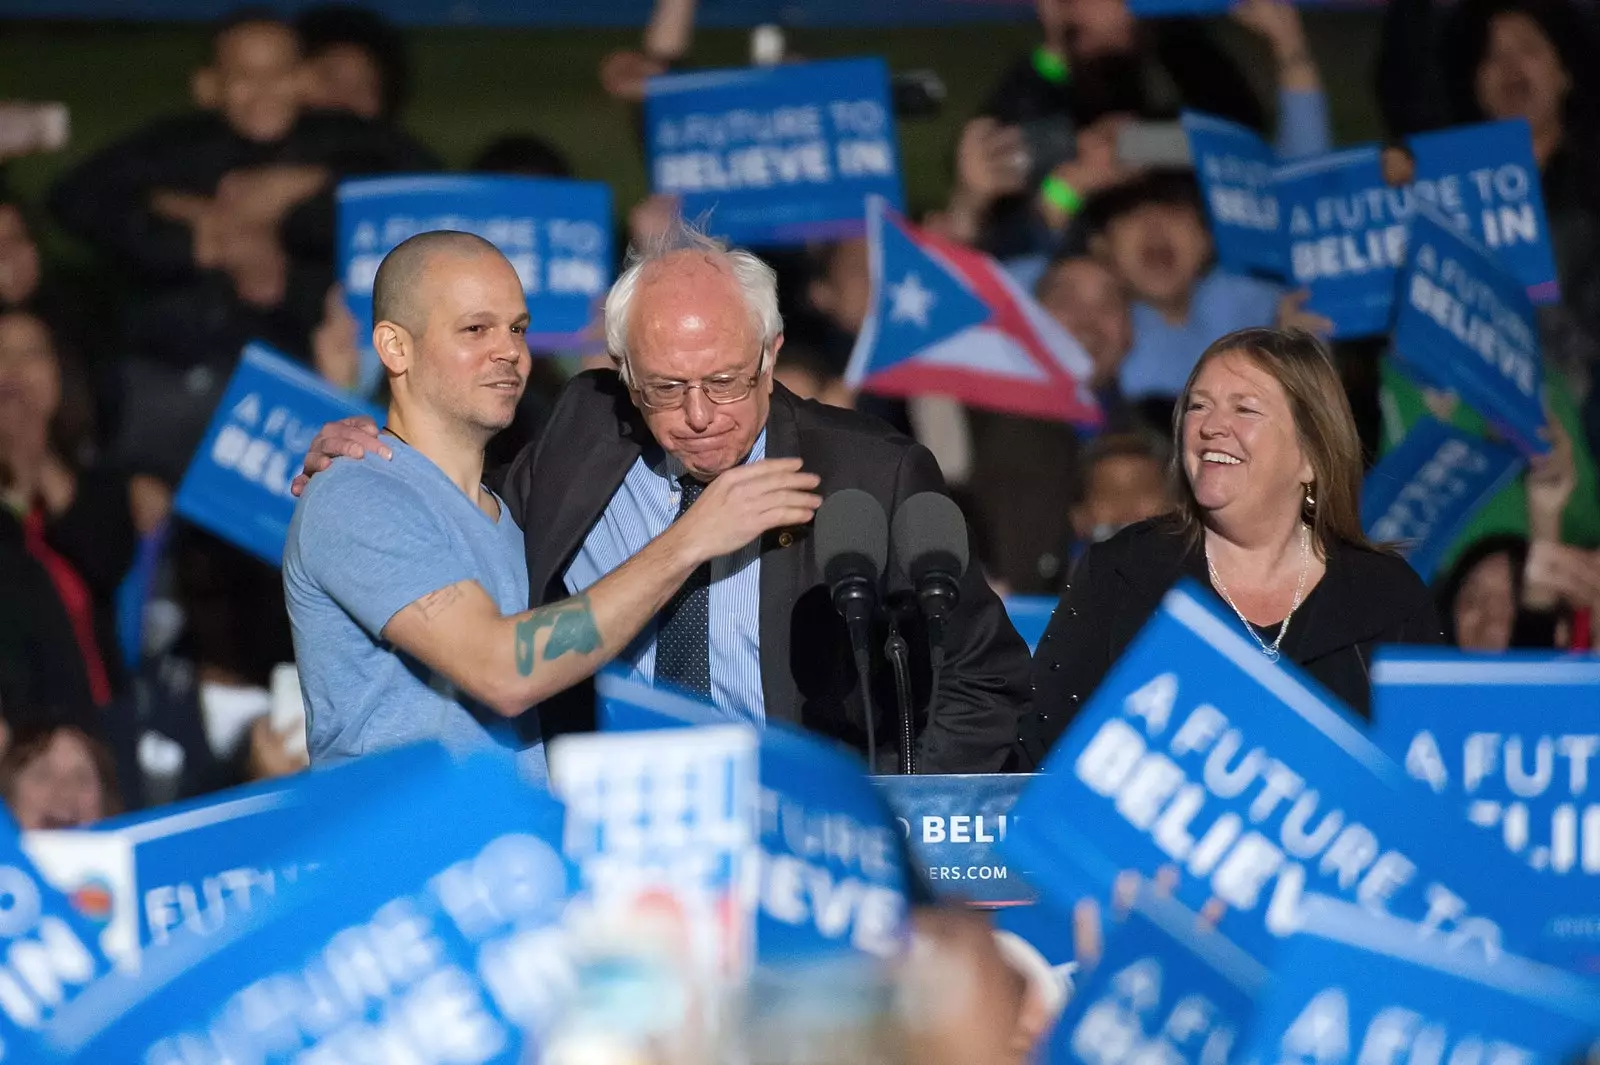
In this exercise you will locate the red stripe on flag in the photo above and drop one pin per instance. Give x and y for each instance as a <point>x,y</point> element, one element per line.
<point>978,270</point>
<point>1032,399</point>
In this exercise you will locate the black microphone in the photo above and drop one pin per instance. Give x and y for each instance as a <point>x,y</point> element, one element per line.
<point>852,543</point>
<point>930,542</point>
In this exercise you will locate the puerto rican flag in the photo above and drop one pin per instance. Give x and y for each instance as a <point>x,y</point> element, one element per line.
<point>947,320</point>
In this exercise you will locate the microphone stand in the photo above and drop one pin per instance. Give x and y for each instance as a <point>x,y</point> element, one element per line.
<point>854,599</point>
<point>899,656</point>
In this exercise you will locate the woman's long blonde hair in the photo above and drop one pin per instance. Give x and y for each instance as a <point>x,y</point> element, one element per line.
<point>1300,363</point>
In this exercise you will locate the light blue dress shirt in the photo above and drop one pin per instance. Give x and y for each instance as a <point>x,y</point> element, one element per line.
<point>642,508</point>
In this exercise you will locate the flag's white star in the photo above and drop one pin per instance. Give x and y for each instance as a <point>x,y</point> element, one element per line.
<point>911,301</point>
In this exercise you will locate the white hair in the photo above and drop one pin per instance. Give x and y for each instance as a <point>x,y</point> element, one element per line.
<point>758,284</point>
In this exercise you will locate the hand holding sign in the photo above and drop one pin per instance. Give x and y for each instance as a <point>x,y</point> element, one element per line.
<point>1551,480</point>
<point>1292,314</point>
<point>1558,573</point>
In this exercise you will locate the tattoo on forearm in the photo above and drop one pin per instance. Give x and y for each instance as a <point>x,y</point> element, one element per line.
<point>572,628</point>
<point>435,603</point>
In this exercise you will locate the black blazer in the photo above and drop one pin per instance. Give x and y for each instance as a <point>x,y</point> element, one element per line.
<point>1365,598</point>
<point>559,489</point>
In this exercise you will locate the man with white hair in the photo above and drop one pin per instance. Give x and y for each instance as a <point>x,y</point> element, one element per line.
<point>694,330</point>
<point>405,580</point>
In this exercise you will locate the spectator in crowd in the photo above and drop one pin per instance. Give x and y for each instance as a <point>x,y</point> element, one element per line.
<point>838,289</point>
<point>804,371</point>
<point>1087,299</point>
<point>196,719</point>
<point>1510,590</point>
<point>223,220</point>
<point>72,315</point>
<point>1123,482</point>
<point>75,517</point>
<point>1048,139</point>
<point>57,772</point>
<point>1479,596</point>
<point>1024,470</point>
<point>1151,232</point>
<point>352,60</point>
<point>1519,505</point>
<point>1268,486</point>
<point>1485,60</point>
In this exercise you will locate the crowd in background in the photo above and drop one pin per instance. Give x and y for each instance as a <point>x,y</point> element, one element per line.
<point>129,640</point>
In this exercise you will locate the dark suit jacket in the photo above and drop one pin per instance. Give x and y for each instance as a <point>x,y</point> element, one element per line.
<point>560,488</point>
<point>1365,598</point>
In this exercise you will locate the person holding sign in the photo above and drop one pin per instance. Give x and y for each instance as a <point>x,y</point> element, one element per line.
<point>1525,59</point>
<point>405,579</point>
<point>1268,483</point>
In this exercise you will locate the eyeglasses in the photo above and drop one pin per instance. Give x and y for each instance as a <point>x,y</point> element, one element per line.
<point>721,389</point>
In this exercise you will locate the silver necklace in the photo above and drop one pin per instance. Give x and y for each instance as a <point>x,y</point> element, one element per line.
<point>1270,650</point>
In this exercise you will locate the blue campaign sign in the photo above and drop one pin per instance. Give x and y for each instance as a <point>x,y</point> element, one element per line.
<point>1355,986</point>
<point>1484,179</point>
<point>953,824</point>
<point>667,814</point>
<point>196,865</point>
<point>430,940</point>
<point>1423,493</point>
<point>776,155</point>
<point>1235,167</point>
<point>556,233</point>
<point>1466,325</point>
<point>1164,990</point>
<point>1197,753</point>
<point>1346,235</point>
<point>1030,614</point>
<point>834,877</point>
<point>1509,739</point>
<point>237,485</point>
<point>49,953</point>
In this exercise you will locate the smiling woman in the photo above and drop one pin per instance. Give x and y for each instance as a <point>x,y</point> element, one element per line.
<point>1267,475</point>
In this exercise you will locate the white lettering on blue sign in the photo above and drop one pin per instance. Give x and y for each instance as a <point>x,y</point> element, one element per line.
<point>39,967</point>
<point>964,828</point>
<point>575,263</point>
<point>1321,1034</point>
<point>1237,192</point>
<point>1124,1026</point>
<point>1528,768</point>
<point>666,814</point>
<point>1348,254</point>
<point>799,888</point>
<point>1156,795</point>
<point>798,892</point>
<point>203,907</point>
<point>759,167</point>
<point>1438,485</point>
<point>397,968</point>
<point>1453,296</point>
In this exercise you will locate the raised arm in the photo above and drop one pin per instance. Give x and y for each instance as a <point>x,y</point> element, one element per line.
<point>1303,126</point>
<point>511,663</point>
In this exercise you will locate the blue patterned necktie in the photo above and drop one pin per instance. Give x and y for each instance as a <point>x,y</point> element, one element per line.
<point>683,632</point>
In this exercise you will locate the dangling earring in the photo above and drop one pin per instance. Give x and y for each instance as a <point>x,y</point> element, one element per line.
<point>1311,500</point>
